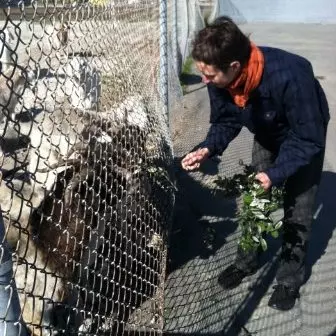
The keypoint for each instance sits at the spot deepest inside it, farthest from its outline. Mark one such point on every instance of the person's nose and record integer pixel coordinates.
(205, 80)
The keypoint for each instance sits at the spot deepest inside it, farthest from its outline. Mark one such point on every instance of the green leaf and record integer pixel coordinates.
(272, 207)
(255, 239)
(259, 214)
(261, 227)
(260, 192)
(275, 234)
(263, 244)
(278, 225)
(247, 199)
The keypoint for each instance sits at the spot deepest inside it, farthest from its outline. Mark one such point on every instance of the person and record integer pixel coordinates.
(275, 95)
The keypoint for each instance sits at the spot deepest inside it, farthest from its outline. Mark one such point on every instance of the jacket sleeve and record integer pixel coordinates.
(224, 120)
(306, 136)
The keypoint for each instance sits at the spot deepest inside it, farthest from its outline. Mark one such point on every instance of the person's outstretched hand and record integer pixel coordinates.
(194, 159)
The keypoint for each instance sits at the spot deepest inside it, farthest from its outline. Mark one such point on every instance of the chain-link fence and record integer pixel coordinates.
(88, 89)
(186, 19)
(87, 191)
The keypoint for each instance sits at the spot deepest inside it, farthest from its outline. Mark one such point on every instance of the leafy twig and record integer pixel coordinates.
(254, 216)
(234, 186)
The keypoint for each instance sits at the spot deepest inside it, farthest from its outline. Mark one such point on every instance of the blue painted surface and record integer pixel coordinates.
(300, 11)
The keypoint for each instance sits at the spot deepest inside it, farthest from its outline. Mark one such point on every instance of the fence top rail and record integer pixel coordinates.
(66, 12)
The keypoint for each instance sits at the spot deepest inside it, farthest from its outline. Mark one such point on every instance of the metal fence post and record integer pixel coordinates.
(176, 58)
(164, 56)
(4, 49)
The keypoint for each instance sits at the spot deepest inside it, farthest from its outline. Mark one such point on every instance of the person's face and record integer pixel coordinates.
(211, 74)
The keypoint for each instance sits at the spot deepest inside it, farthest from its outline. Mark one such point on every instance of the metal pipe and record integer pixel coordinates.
(163, 86)
(177, 64)
(4, 49)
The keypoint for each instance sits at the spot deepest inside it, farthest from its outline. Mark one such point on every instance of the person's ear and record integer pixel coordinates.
(235, 66)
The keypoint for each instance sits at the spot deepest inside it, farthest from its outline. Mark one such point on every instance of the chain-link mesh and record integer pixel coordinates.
(86, 192)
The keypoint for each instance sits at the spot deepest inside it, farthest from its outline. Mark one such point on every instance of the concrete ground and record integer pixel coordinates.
(195, 304)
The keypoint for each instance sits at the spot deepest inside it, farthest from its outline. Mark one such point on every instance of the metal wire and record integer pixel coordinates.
(87, 190)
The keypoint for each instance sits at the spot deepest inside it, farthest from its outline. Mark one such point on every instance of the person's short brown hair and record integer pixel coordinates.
(221, 43)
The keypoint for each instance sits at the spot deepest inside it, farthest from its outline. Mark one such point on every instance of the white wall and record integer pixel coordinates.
(308, 11)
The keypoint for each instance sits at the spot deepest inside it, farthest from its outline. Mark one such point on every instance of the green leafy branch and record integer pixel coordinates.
(254, 216)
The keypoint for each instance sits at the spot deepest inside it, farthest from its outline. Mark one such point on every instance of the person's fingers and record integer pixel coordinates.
(264, 180)
(260, 177)
(201, 155)
(259, 180)
(190, 156)
(193, 167)
(186, 159)
(190, 165)
(188, 162)
(193, 160)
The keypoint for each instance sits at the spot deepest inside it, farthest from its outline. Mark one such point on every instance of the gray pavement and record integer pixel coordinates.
(195, 304)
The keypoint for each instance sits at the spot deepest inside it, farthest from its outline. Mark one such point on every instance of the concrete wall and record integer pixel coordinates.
(301, 11)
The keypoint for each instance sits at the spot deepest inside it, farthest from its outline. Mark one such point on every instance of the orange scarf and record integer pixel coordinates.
(249, 79)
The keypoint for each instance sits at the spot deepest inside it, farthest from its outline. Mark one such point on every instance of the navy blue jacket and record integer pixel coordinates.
(288, 113)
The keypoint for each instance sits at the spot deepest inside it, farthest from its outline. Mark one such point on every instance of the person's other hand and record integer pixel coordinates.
(264, 180)
(194, 159)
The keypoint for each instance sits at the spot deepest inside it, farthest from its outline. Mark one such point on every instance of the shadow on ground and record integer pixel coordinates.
(195, 208)
(203, 243)
(325, 222)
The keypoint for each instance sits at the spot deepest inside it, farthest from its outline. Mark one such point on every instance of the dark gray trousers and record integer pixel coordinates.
(299, 198)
